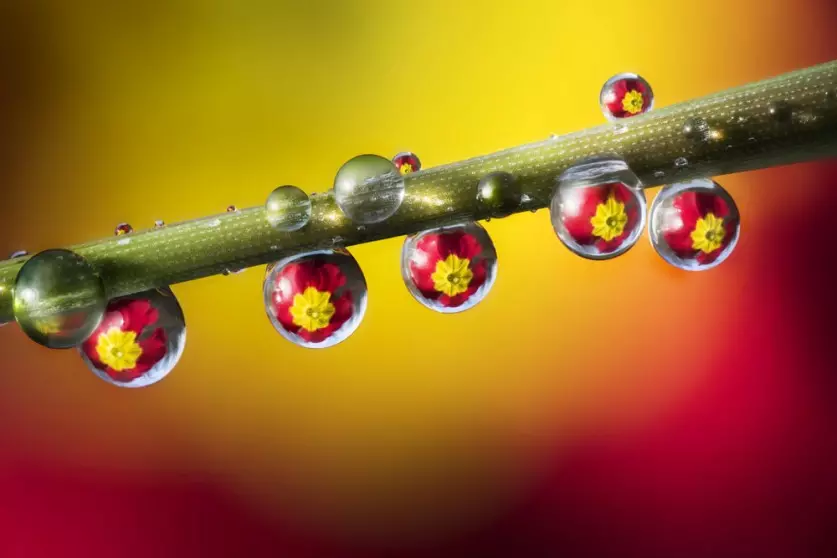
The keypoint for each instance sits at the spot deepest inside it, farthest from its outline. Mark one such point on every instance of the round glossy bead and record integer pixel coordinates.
(407, 162)
(368, 189)
(499, 192)
(139, 341)
(288, 208)
(316, 300)
(625, 95)
(123, 229)
(231, 209)
(450, 269)
(18, 254)
(159, 224)
(59, 299)
(598, 209)
(694, 225)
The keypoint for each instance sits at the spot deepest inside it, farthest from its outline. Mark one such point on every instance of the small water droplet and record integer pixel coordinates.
(123, 228)
(553, 136)
(123, 241)
(274, 247)
(231, 209)
(780, 111)
(681, 162)
(18, 254)
(659, 174)
(159, 224)
(450, 208)
(696, 129)
(525, 198)
(361, 228)
(620, 129)
(213, 223)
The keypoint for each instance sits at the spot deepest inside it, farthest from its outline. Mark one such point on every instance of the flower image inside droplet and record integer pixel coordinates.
(139, 341)
(316, 300)
(625, 95)
(449, 269)
(694, 225)
(598, 209)
(407, 162)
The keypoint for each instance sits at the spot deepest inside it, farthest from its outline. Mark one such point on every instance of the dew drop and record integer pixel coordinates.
(681, 162)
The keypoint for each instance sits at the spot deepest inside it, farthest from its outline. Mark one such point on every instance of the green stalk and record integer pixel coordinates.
(787, 119)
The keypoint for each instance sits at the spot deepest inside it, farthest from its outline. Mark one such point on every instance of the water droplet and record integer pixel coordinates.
(462, 288)
(18, 254)
(160, 334)
(525, 198)
(123, 241)
(499, 192)
(659, 174)
(212, 224)
(681, 162)
(780, 111)
(696, 129)
(620, 129)
(231, 209)
(159, 224)
(368, 189)
(123, 228)
(694, 235)
(288, 209)
(305, 321)
(407, 162)
(585, 219)
(59, 299)
(625, 95)
(553, 136)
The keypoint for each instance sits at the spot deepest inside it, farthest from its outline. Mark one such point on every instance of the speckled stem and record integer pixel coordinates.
(786, 119)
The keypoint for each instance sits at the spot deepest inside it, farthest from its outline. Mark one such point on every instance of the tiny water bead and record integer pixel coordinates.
(123, 229)
(696, 129)
(317, 299)
(407, 162)
(159, 224)
(139, 341)
(625, 95)
(368, 189)
(59, 299)
(598, 209)
(500, 193)
(450, 269)
(694, 225)
(18, 254)
(288, 208)
(231, 209)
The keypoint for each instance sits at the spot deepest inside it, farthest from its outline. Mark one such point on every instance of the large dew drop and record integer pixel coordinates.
(317, 299)
(598, 209)
(450, 269)
(288, 208)
(139, 341)
(59, 299)
(368, 189)
(694, 225)
(624, 96)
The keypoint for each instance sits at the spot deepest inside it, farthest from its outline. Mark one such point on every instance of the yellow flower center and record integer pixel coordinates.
(709, 234)
(452, 275)
(610, 219)
(632, 102)
(406, 168)
(312, 310)
(118, 349)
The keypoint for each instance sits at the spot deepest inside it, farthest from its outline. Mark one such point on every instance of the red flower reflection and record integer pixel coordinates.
(119, 347)
(443, 267)
(602, 216)
(699, 226)
(304, 299)
(628, 97)
(406, 162)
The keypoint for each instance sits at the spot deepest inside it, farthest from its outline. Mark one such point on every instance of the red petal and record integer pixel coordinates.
(153, 349)
(687, 207)
(582, 204)
(137, 314)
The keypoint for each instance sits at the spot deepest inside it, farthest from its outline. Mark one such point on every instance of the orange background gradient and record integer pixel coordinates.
(619, 408)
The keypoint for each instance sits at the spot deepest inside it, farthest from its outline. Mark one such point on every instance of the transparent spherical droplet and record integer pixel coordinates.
(407, 162)
(500, 193)
(159, 224)
(450, 269)
(625, 95)
(368, 189)
(316, 300)
(59, 299)
(139, 341)
(288, 208)
(123, 229)
(18, 254)
(697, 129)
(231, 209)
(598, 209)
(694, 225)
